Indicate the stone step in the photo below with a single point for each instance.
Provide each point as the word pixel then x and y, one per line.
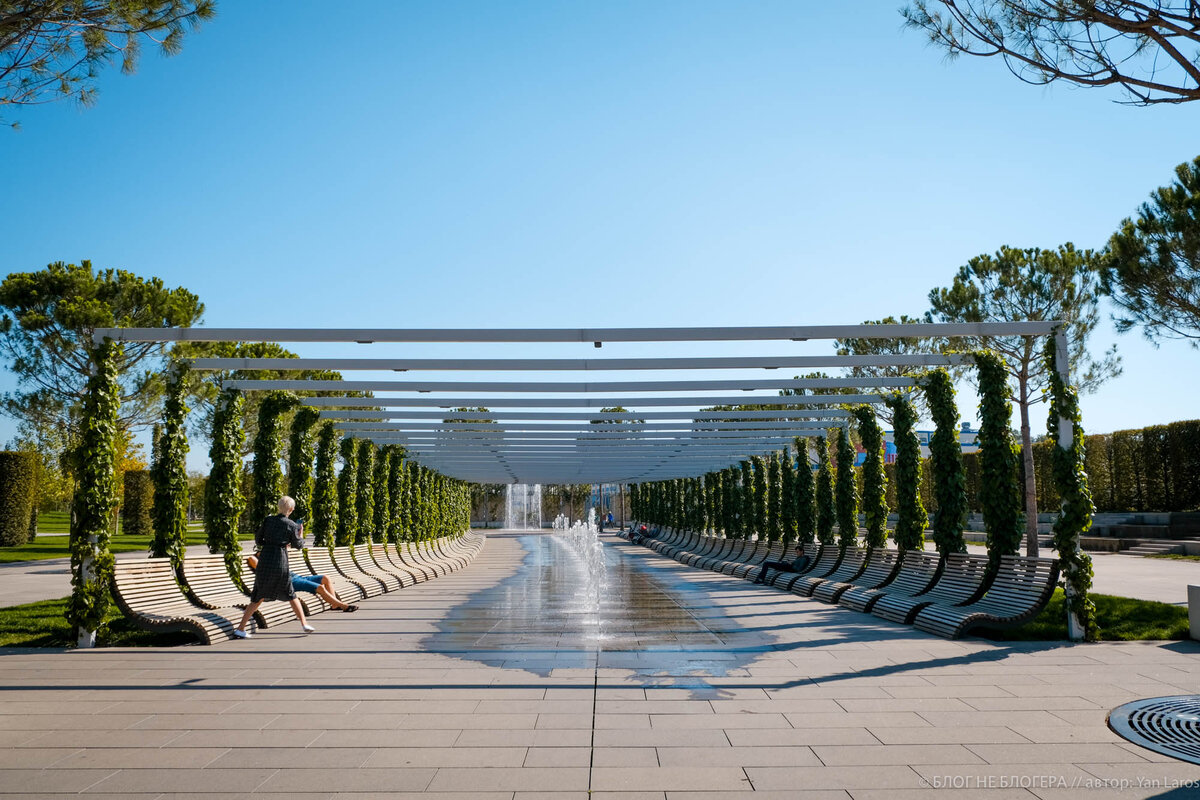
pixel 1154 548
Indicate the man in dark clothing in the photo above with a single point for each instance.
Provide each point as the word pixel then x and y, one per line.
pixel 797 564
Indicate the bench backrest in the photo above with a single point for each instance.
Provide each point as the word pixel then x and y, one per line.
pixel 208 579
pixel 1020 579
pixel 962 579
pixel 881 563
pixel 827 561
pixel 851 564
pixel 148 585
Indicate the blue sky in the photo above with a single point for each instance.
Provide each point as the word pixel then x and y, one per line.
pixel 545 164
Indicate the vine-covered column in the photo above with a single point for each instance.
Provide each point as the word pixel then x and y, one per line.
pixel 1071 481
pixel 95 497
pixel 268 444
pixel 347 527
pixel 805 494
pixel 787 496
pixel 759 472
pixel 170 474
pixel 945 451
pixel 847 492
pixel 874 494
pixel 912 518
pixel 302 450
pixel 395 485
pixel 325 488
pixel 826 511
pixel 747 510
pixel 1000 493
pixel 223 500
pixel 366 491
pixel 774 504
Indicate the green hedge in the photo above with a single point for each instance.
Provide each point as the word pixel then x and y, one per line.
pixel 18 494
pixel 139 499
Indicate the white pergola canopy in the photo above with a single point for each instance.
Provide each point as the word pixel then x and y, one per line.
pixel 554 431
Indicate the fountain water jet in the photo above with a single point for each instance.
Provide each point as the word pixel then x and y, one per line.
pixel 523 506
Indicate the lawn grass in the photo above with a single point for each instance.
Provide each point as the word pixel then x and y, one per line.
pixel 57 546
pixel 44 624
pixel 1120 619
pixel 1175 556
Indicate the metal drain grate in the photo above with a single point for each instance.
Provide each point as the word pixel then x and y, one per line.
pixel 1167 725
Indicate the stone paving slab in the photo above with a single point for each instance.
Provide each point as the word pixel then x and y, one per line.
pixel 517 678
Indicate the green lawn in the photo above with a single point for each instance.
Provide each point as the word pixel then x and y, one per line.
pixel 1176 556
pixel 44 624
pixel 56 546
pixel 1119 618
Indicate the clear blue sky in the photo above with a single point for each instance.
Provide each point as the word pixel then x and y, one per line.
pixel 445 164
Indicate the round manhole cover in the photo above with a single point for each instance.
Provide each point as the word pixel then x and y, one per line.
pixel 1167 725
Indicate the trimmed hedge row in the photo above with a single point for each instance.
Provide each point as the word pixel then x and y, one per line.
pixel 18 496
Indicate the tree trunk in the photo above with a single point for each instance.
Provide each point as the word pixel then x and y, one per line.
pixel 1031 509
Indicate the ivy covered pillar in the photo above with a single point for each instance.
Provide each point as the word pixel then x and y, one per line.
pixel 949 478
pixel 366 491
pixel 223 500
pixel 874 495
pixel 95 497
pixel 268 444
pixel 787 496
pixel 774 504
pixel 805 495
pixel 1000 494
pixel 170 474
pixel 826 513
pixel 846 492
pixel 302 450
pixel 1075 515
pixel 347 526
pixel 383 498
pixel 325 489
pixel 911 517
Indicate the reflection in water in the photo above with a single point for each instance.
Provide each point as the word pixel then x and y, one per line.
pixel 545 616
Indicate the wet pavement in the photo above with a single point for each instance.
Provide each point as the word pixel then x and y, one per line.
pixel 519 678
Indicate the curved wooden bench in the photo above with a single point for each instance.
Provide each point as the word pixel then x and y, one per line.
pixel 919 570
pixel 753 553
pixel 360 556
pixel 962 581
pixel 320 561
pixel 206 579
pixel 387 555
pixel 826 561
pixel 881 565
pixel 854 559
pixel 1021 589
pixel 343 560
pixel 706 546
pixel 408 554
pixel 148 595
pixel 773 551
pixel 718 554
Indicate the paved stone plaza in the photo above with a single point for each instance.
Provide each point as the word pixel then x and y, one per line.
pixel 506 681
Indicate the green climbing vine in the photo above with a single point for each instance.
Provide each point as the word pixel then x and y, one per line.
pixel 999 460
pixel 95 497
pixel 395 522
pixel 325 488
pixel 912 519
pixel 747 515
pixel 949 478
pixel 805 495
pixel 170 474
pixel 759 472
pixel 846 491
pixel 268 476
pixel 347 527
pixel 383 498
pixel 302 449
pixel 826 510
pixel 223 499
pixel 787 497
pixel 874 492
pixel 366 491
pixel 774 499
pixel 1075 516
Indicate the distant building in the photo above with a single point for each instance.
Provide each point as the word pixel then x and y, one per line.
pixel 966 439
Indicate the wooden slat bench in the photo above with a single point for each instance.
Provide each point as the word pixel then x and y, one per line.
pixel 853 561
pixel 768 552
pixel 782 578
pixel 360 556
pixel 828 557
pixel 881 565
pixel 919 570
pixel 753 553
pixel 409 555
pixel 733 555
pixel 962 581
pixel 207 580
pixel 148 595
pixel 719 554
pixel 321 563
pixel 1021 589
pixel 385 555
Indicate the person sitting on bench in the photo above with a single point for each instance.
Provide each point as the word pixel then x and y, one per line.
pixel 640 535
pixel 797 564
